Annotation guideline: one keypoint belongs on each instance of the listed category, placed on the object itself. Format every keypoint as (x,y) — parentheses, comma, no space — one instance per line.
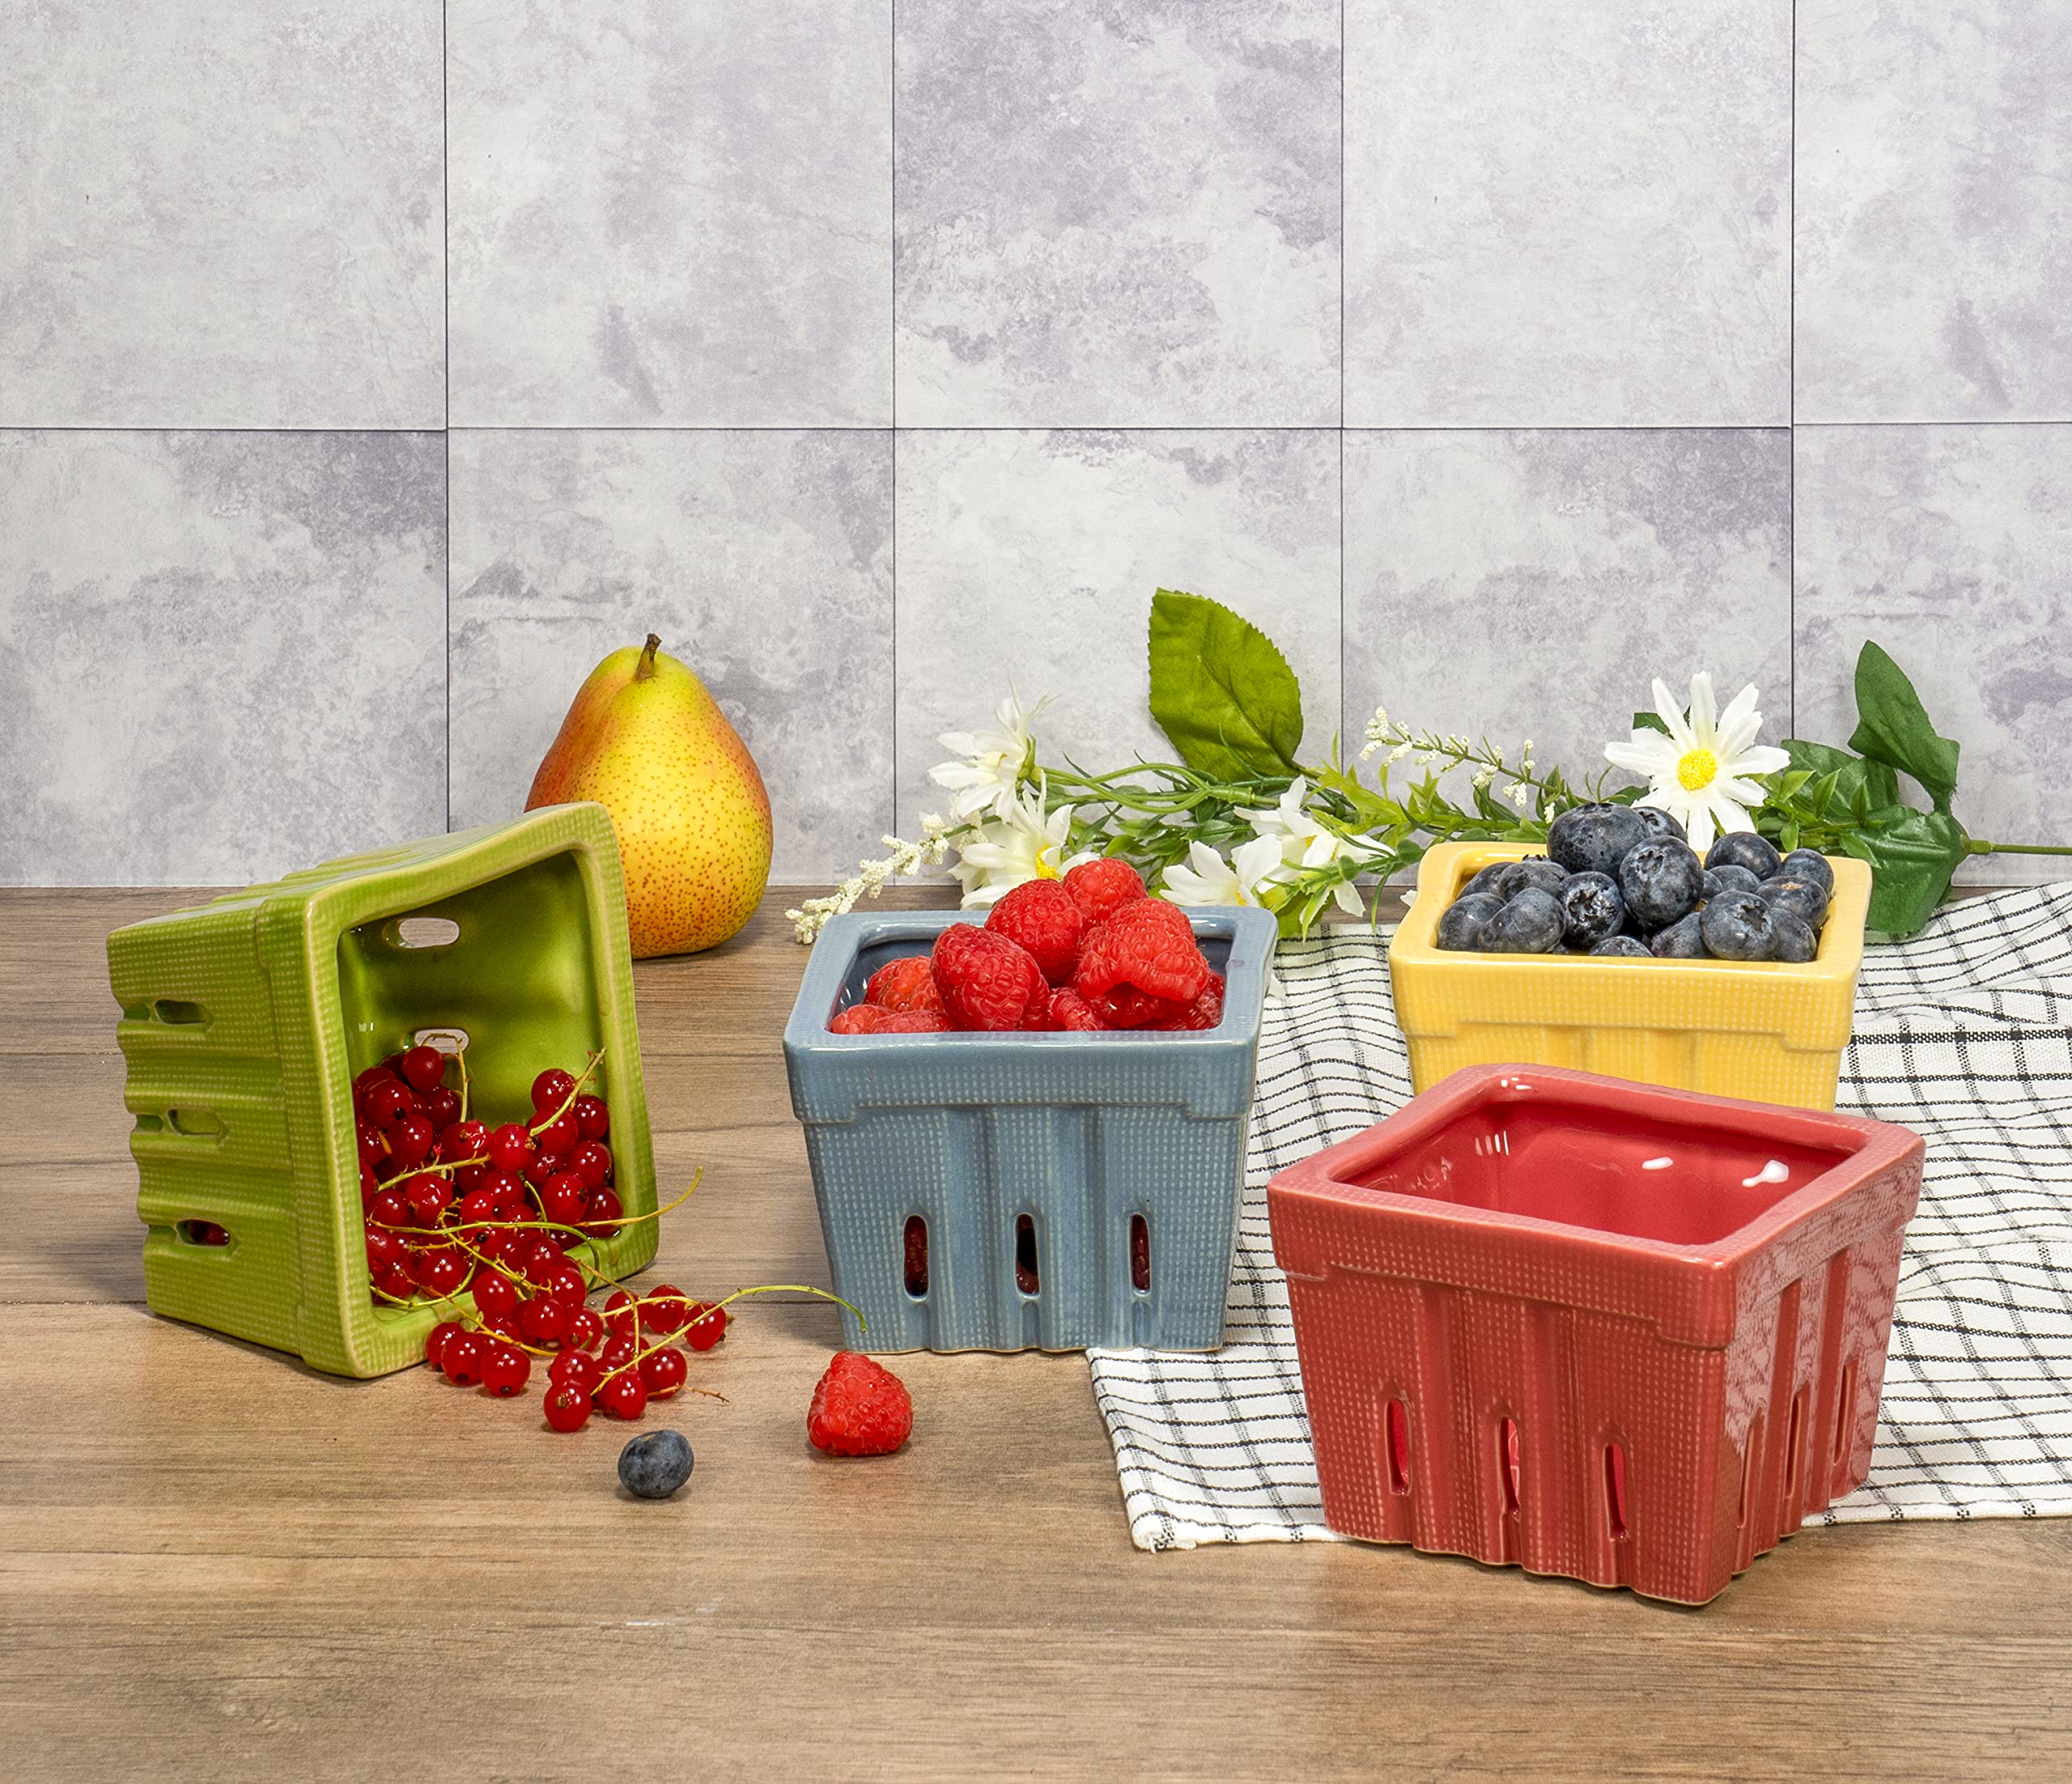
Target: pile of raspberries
(1091,951)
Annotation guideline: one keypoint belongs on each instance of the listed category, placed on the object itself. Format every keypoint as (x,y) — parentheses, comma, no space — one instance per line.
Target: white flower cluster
(1287,838)
(905,859)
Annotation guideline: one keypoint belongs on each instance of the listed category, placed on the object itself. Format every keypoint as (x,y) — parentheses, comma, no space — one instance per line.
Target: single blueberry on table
(1534,870)
(1624,947)
(1486,881)
(1807,863)
(1736,926)
(1659,882)
(1790,939)
(1462,923)
(1530,922)
(1743,848)
(1803,898)
(1657,823)
(1681,941)
(1594,839)
(654,1465)
(1592,907)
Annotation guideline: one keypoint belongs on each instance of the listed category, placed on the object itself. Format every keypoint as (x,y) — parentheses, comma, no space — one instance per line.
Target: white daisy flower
(1305,841)
(991,762)
(1207,878)
(1699,774)
(1021,844)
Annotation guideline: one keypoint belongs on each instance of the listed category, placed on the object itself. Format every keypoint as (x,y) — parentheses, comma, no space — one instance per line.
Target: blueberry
(1803,898)
(1594,910)
(1594,839)
(1659,823)
(1729,878)
(1486,880)
(1660,880)
(1743,848)
(1530,923)
(1462,923)
(1807,863)
(1534,870)
(654,1465)
(1789,938)
(1736,926)
(1624,947)
(1681,941)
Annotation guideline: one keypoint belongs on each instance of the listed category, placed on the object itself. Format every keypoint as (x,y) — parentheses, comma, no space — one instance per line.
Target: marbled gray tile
(1935,204)
(1118,213)
(1031,558)
(764,561)
(220,216)
(1533,584)
(1950,546)
(221,656)
(1569,215)
(671,216)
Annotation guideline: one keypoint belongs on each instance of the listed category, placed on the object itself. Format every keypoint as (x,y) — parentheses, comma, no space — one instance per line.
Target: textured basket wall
(1079,1132)
(1620,1409)
(1762,1030)
(245,1020)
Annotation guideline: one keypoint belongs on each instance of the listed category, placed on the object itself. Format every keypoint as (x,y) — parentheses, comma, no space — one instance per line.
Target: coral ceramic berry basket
(1761,1030)
(1591,1327)
(1014,1192)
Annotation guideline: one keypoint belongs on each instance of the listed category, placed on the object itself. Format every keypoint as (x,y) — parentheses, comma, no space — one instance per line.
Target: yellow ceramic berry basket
(1762,1030)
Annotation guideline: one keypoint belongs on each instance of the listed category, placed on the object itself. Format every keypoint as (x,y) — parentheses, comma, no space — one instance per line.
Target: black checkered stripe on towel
(1963,1034)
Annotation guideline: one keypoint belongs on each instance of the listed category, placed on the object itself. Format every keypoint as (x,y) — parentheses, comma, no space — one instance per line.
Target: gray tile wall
(368,372)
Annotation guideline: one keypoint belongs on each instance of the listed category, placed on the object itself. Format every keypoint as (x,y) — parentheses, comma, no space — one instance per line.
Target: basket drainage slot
(1395,1443)
(1140,1255)
(1507,1464)
(1615,1490)
(178,1013)
(1794,1442)
(1025,1277)
(917,1256)
(1845,1411)
(194,1121)
(200,1233)
(428,932)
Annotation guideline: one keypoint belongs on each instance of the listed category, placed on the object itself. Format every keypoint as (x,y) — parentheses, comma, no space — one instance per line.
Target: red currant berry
(624,1396)
(504,1326)
(621,1310)
(434,1340)
(445,1271)
(705,1326)
(662,1372)
(574,1368)
(565,1198)
(592,1163)
(423,1067)
(550,1089)
(664,1309)
(395,1282)
(567,1407)
(370,1186)
(585,1331)
(539,1260)
(542,1319)
(591,1116)
(365,1082)
(367,1138)
(442,1107)
(461,1140)
(605,1212)
(618,1352)
(509,1147)
(463,1358)
(506,1370)
(410,1140)
(496,1291)
(388,1209)
(540,1169)
(476,1208)
(507,1190)
(385,1249)
(428,1197)
(387,1102)
(566,1283)
(559,1138)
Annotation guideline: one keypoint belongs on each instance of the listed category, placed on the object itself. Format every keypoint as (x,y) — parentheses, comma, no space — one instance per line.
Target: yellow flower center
(1695,768)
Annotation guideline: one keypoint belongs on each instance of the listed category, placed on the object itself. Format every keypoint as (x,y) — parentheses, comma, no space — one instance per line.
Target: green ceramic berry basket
(245,1020)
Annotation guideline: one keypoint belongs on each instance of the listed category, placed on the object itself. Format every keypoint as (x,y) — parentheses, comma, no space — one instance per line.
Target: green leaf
(1220,690)
(1650,721)
(1893,726)
(1911,859)
(1851,774)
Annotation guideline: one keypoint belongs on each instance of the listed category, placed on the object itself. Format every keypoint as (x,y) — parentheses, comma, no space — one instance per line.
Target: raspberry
(859,1408)
(1069,1010)
(1148,944)
(904,984)
(1045,919)
(1206,1011)
(987,981)
(1126,1007)
(1098,887)
(873,1019)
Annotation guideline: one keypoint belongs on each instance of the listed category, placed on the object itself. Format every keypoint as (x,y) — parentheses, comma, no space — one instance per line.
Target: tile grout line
(445,356)
(1791,390)
(1343,715)
(892,319)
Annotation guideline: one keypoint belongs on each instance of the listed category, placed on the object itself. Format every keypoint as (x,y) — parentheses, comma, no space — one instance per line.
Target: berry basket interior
(1013,1192)
(245,1020)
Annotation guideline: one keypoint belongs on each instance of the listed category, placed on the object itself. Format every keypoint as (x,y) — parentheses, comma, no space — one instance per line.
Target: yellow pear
(646,741)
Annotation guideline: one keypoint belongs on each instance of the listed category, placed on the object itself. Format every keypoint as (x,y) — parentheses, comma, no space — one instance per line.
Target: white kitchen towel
(1963,1034)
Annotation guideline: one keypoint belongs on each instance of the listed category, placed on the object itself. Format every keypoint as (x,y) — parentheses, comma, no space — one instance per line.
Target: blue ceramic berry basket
(1026,1191)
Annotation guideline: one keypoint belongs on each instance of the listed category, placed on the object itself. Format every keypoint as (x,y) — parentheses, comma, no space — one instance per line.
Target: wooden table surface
(215,1563)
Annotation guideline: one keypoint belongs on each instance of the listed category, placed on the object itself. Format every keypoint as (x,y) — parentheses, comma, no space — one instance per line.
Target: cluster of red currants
(617,1360)
(445,1196)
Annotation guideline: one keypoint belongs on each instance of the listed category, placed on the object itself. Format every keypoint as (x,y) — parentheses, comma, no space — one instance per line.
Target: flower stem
(1980,846)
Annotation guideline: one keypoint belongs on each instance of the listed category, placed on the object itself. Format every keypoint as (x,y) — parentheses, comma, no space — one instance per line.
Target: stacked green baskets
(245,1021)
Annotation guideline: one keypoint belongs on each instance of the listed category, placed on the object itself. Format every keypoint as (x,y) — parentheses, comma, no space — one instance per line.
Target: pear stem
(646,667)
